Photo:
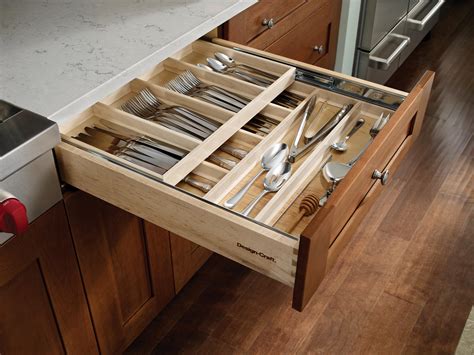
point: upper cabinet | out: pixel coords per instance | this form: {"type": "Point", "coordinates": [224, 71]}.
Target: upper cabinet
{"type": "Point", "coordinates": [298, 29]}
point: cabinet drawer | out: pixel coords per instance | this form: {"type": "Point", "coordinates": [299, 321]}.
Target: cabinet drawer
{"type": "Point", "coordinates": [263, 16]}
{"type": "Point", "coordinates": [251, 27]}
{"type": "Point", "coordinates": [268, 240]}
{"type": "Point", "coordinates": [308, 42]}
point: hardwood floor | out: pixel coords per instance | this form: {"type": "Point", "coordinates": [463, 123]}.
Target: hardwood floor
{"type": "Point", "coordinates": [405, 283]}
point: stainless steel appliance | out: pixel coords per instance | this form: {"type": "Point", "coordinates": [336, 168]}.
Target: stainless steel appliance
{"type": "Point", "coordinates": [29, 183]}
{"type": "Point", "coordinates": [389, 30]}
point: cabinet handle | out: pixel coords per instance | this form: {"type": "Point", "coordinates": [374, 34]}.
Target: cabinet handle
{"type": "Point", "coordinates": [268, 23]}
{"type": "Point", "coordinates": [383, 177]}
{"type": "Point", "coordinates": [319, 49]}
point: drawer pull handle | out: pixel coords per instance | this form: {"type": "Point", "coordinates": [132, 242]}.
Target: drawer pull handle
{"type": "Point", "coordinates": [385, 63]}
{"type": "Point", "coordinates": [319, 49]}
{"type": "Point", "coordinates": [419, 25]}
{"type": "Point", "coordinates": [382, 176]}
{"type": "Point", "coordinates": [268, 23]}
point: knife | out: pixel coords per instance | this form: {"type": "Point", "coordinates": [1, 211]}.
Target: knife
{"type": "Point", "coordinates": [129, 156]}
{"type": "Point", "coordinates": [125, 133]}
{"type": "Point", "coordinates": [158, 158]}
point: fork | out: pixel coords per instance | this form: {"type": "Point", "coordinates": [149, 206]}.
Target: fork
{"type": "Point", "coordinates": [188, 84]}
{"type": "Point", "coordinates": [149, 107]}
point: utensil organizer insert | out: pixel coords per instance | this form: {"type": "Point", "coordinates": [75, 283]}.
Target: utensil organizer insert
{"type": "Point", "coordinates": [278, 209]}
{"type": "Point", "coordinates": [261, 241]}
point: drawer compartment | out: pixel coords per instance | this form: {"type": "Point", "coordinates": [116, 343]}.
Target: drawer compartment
{"type": "Point", "coordinates": [187, 196]}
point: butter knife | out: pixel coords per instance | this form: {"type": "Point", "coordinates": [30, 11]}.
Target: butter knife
{"type": "Point", "coordinates": [158, 158]}
{"type": "Point", "coordinates": [121, 132]}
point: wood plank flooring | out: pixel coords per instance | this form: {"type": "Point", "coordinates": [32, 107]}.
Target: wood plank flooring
{"type": "Point", "coordinates": [404, 284]}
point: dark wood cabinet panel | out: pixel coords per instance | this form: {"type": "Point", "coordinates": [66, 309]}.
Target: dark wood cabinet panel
{"type": "Point", "coordinates": [298, 28]}
{"type": "Point", "coordinates": [126, 267]}
{"type": "Point", "coordinates": [43, 308]}
{"type": "Point", "coordinates": [187, 259]}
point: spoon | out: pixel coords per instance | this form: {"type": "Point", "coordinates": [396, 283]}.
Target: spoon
{"type": "Point", "coordinates": [230, 62]}
{"type": "Point", "coordinates": [274, 180]}
{"type": "Point", "coordinates": [342, 145]}
{"type": "Point", "coordinates": [204, 66]}
{"type": "Point", "coordinates": [220, 67]}
{"type": "Point", "coordinates": [335, 172]}
{"type": "Point", "coordinates": [274, 155]}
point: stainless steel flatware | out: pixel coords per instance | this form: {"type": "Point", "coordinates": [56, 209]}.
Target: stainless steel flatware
{"type": "Point", "coordinates": [230, 62]}
{"type": "Point", "coordinates": [126, 134]}
{"type": "Point", "coordinates": [222, 68]}
{"type": "Point", "coordinates": [127, 154]}
{"type": "Point", "coordinates": [204, 187]}
{"type": "Point", "coordinates": [273, 156]}
{"type": "Point", "coordinates": [235, 152]}
{"type": "Point", "coordinates": [146, 105]}
{"type": "Point", "coordinates": [342, 145]}
{"type": "Point", "coordinates": [222, 162]}
{"type": "Point", "coordinates": [309, 107]}
{"type": "Point", "coordinates": [188, 84]}
{"type": "Point", "coordinates": [335, 172]}
{"type": "Point", "coordinates": [324, 131]}
{"type": "Point", "coordinates": [159, 158]}
{"type": "Point", "coordinates": [274, 180]}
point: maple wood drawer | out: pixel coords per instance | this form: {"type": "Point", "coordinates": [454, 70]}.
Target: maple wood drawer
{"type": "Point", "coordinates": [267, 241]}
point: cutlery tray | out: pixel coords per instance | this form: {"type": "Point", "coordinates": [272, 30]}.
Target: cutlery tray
{"type": "Point", "coordinates": [262, 241]}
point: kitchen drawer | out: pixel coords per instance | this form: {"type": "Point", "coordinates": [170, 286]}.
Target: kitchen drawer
{"type": "Point", "coordinates": [251, 27]}
{"type": "Point", "coordinates": [308, 42]}
{"type": "Point", "coordinates": [263, 16]}
{"type": "Point", "coordinates": [298, 257]}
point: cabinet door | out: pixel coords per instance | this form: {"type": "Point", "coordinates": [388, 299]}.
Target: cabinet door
{"type": "Point", "coordinates": [188, 258]}
{"type": "Point", "coordinates": [126, 267]}
{"type": "Point", "coordinates": [43, 309]}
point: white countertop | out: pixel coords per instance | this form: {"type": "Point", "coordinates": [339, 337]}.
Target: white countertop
{"type": "Point", "coordinates": [59, 57]}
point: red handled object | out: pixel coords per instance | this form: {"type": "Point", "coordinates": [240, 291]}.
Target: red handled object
{"type": "Point", "coordinates": [13, 218]}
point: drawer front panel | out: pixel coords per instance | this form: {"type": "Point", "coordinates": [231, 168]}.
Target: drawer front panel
{"type": "Point", "coordinates": [263, 16]}
{"type": "Point", "coordinates": [308, 42]}
{"type": "Point", "coordinates": [248, 28]}
{"type": "Point", "coordinates": [330, 221]}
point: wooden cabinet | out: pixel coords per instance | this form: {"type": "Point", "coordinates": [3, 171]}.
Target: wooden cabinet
{"type": "Point", "coordinates": [304, 30]}
{"type": "Point", "coordinates": [43, 308]}
{"type": "Point", "coordinates": [187, 259]}
{"type": "Point", "coordinates": [125, 265]}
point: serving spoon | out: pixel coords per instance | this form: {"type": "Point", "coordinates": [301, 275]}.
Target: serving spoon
{"type": "Point", "coordinates": [273, 156]}
{"type": "Point", "coordinates": [342, 145]}
{"type": "Point", "coordinates": [274, 180]}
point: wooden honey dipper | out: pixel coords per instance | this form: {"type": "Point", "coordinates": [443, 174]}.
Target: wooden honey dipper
{"type": "Point", "coordinates": [308, 205]}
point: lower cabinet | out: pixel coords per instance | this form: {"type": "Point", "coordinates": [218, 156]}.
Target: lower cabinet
{"type": "Point", "coordinates": [43, 308]}
{"type": "Point", "coordinates": [126, 268]}
{"type": "Point", "coordinates": [187, 259]}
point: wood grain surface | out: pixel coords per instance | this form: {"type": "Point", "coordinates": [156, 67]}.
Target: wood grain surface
{"type": "Point", "coordinates": [404, 284]}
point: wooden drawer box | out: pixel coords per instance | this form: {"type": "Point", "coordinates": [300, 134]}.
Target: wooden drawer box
{"type": "Point", "coordinates": [298, 258]}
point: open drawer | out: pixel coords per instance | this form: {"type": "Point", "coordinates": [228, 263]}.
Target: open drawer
{"type": "Point", "coordinates": [187, 197]}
